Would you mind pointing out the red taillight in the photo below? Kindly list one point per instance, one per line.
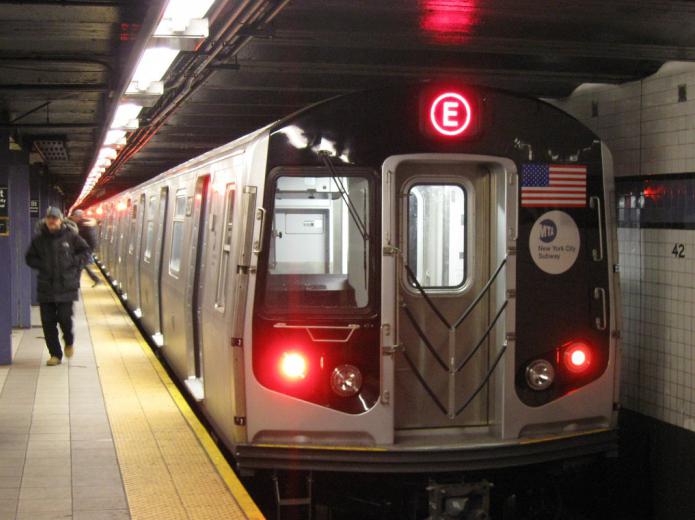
(293, 366)
(577, 357)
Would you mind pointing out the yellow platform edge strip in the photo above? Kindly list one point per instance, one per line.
(238, 491)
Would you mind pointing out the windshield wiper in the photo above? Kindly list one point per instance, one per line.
(359, 223)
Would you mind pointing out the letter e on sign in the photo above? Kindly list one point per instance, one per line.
(449, 113)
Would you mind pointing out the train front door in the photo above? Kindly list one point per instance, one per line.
(438, 215)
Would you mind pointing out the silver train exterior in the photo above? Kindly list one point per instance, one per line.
(410, 279)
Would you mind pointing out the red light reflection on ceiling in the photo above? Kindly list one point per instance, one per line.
(654, 192)
(448, 21)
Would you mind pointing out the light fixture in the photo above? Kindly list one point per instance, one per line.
(115, 138)
(577, 357)
(182, 25)
(540, 374)
(153, 64)
(126, 116)
(346, 380)
(293, 366)
(179, 14)
(108, 153)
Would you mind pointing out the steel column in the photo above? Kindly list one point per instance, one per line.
(20, 238)
(35, 215)
(5, 255)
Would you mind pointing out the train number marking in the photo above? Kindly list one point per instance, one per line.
(678, 250)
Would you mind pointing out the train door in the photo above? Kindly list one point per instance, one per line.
(194, 285)
(437, 232)
(157, 262)
(121, 240)
(138, 239)
(147, 270)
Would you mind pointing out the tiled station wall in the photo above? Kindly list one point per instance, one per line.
(649, 126)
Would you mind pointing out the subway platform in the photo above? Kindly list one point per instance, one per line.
(106, 435)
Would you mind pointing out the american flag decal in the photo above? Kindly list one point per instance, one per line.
(553, 185)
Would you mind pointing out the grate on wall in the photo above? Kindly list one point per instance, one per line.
(52, 149)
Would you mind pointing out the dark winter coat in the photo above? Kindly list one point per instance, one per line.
(59, 258)
(88, 231)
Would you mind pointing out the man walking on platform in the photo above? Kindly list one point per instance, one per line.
(58, 254)
(87, 229)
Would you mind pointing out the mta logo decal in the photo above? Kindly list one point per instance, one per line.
(548, 231)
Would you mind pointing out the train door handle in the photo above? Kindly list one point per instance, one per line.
(601, 322)
(260, 215)
(595, 203)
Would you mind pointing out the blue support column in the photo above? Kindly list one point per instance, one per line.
(35, 214)
(20, 238)
(5, 255)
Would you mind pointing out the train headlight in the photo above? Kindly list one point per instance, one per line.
(540, 374)
(346, 380)
(577, 357)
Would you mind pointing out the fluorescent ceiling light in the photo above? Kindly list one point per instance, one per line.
(115, 138)
(151, 68)
(109, 153)
(179, 13)
(126, 115)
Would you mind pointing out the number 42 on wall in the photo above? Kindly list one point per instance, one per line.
(678, 250)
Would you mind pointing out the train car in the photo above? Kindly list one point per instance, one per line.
(414, 279)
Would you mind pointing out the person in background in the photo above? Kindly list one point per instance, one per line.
(87, 229)
(58, 253)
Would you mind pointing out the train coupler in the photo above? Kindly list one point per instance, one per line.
(459, 501)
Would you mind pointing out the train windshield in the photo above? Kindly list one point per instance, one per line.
(319, 254)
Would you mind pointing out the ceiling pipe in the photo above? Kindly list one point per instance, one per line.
(194, 79)
(152, 17)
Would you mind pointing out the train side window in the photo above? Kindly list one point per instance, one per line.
(149, 233)
(226, 249)
(437, 235)
(133, 221)
(177, 233)
(319, 253)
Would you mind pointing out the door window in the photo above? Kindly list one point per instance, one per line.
(177, 233)
(437, 235)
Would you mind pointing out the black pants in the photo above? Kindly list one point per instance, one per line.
(52, 314)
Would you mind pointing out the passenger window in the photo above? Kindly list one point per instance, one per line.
(226, 249)
(177, 233)
(437, 235)
(149, 233)
(319, 255)
(148, 241)
(133, 223)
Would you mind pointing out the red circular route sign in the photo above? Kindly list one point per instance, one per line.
(450, 114)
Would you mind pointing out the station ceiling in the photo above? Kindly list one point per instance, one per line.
(64, 63)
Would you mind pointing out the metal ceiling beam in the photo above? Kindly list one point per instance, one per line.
(68, 60)
(70, 87)
(68, 3)
(50, 125)
(475, 44)
(390, 71)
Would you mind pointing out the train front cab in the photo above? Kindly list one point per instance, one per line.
(418, 318)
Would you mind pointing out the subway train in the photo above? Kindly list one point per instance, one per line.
(413, 279)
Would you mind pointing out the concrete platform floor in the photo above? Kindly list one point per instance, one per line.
(72, 449)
